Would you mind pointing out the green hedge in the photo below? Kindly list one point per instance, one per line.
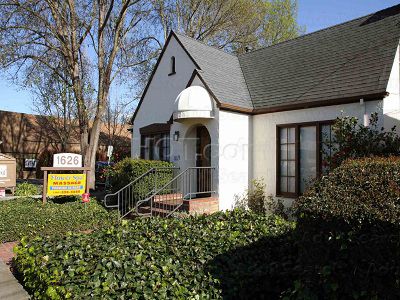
(361, 191)
(346, 245)
(348, 233)
(154, 258)
(128, 169)
(29, 217)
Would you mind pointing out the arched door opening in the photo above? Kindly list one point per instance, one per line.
(203, 162)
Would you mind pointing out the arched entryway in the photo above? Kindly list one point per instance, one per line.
(203, 162)
(196, 157)
(203, 147)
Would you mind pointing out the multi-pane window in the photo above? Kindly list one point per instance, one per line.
(301, 150)
(155, 146)
(287, 160)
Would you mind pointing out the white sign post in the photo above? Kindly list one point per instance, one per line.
(67, 160)
(110, 151)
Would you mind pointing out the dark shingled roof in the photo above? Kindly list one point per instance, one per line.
(344, 61)
(221, 71)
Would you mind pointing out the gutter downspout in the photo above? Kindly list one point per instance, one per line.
(363, 110)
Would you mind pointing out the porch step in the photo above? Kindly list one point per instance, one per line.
(155, 212)
(168, 204)
(167, 197)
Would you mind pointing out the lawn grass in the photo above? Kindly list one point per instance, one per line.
(29, 217)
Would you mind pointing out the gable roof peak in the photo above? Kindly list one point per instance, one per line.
(203, 43)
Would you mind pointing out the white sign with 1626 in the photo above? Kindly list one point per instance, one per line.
(67, 160)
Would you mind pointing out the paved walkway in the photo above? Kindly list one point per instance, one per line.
(10, 288)
(10, 197)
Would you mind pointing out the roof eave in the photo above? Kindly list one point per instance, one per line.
(321, 103)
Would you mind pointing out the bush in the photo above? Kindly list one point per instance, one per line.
(29, 217)
(257, 201)
(348, 233)
(127, 170)
(359, 192)
(151, 258)
(253, 198)
(27, 189)
(354, 140)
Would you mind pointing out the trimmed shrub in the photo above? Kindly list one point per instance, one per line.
(155, 258)
(348, 233)
(360, 192)
(29, 217)
(128, 169)
(27, 189)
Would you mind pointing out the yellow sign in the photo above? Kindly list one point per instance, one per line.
(66, 184)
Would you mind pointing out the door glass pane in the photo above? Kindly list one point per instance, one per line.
(284, 167)
(291, 168)
(292, 135)
(308, 156)
(292, 185)
(291, 151)
(284, 184)
(284, 149)
(283, 135)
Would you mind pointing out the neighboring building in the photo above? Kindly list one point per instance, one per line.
(26, 136)
(268, 113)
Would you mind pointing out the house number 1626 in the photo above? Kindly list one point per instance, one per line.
(67, 160)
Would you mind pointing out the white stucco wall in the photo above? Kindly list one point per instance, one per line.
(264, 133)
(391, 104)
(234, 159)
(158, 103)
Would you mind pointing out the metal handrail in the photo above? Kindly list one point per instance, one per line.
(125, 188)
(185, 196)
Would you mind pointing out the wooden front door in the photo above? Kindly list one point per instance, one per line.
(203, 159)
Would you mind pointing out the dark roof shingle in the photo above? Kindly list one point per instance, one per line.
(347, 60)
(221, 71)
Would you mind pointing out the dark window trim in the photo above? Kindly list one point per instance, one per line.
(155, 128)
(297, 127)
(148, 134)
(173, 66)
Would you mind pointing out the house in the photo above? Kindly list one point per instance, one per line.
(267, 113)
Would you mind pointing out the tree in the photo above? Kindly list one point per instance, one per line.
(90, 43)
(229, 24)
(114, 120)
(71, 39)
(55, 100)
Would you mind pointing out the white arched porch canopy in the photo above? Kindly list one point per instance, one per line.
(193, 102)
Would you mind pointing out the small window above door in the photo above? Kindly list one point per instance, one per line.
(172, 66)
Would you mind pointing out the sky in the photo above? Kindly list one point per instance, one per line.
(313, 14)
